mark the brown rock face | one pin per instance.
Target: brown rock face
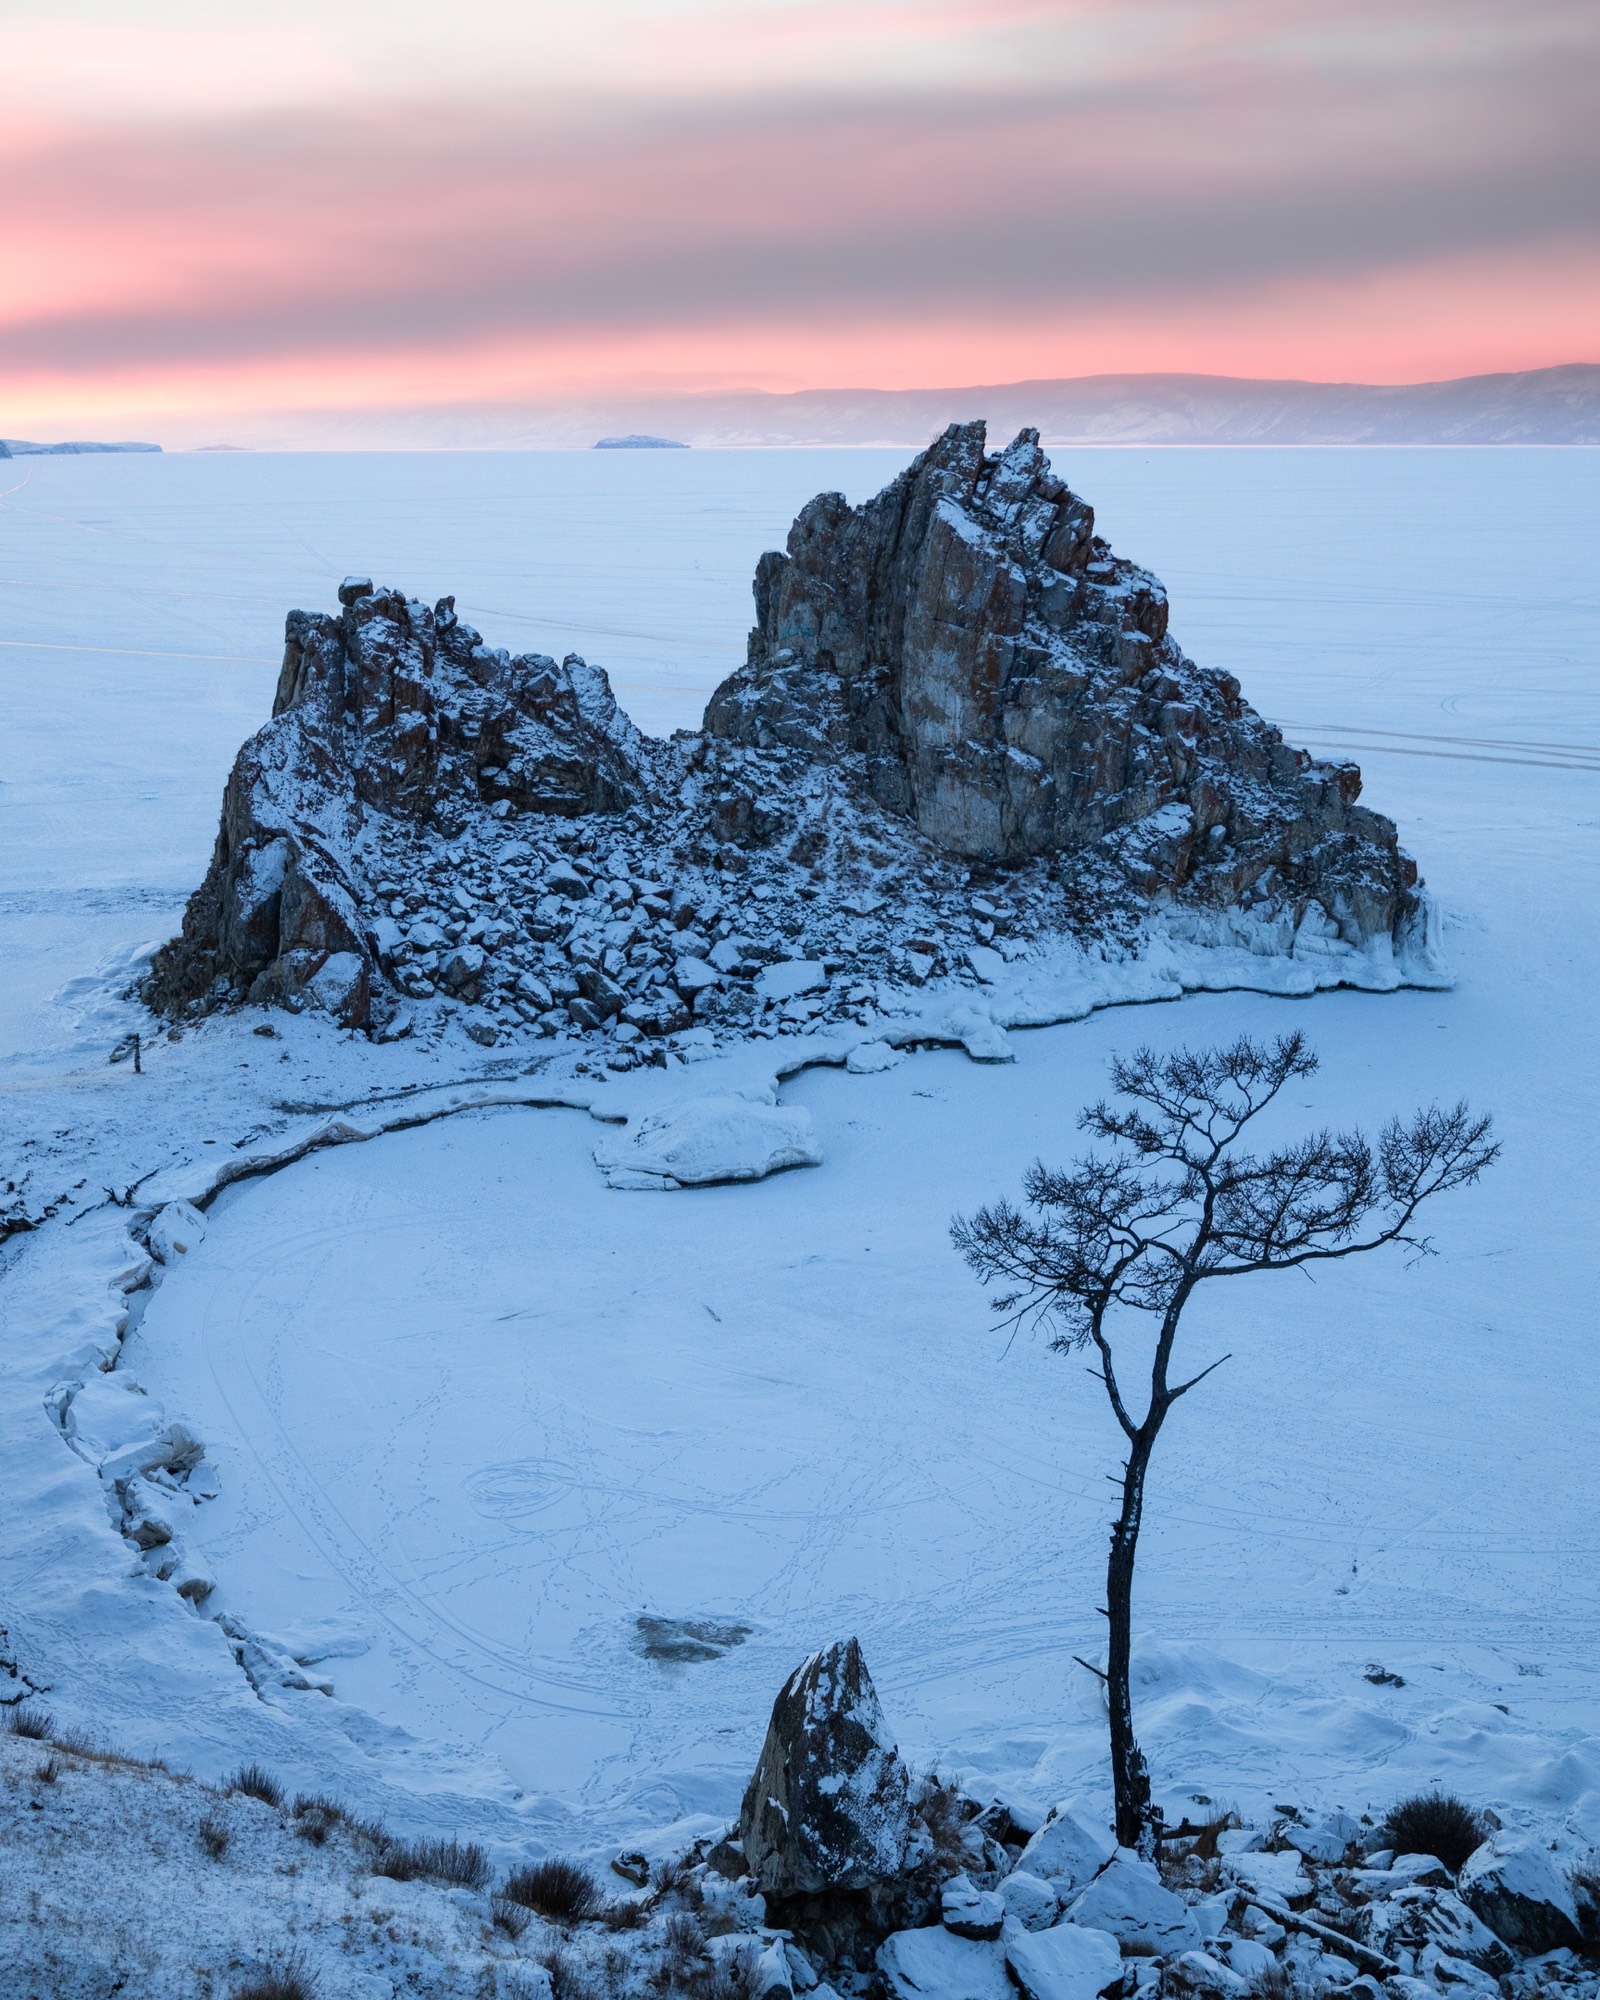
(829, 1804)
(1009, 685)
(390, 709)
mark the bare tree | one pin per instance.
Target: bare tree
(1170, 1203)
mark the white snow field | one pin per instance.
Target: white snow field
(475, 1414)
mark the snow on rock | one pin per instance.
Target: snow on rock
(1280, 1876)
(933, 1964)
(872, 1058)
(1201, 1973)
(705, 1140)
(829, 1804)
(110, 1415)
(1070, 1962)
(1029, 1900)
(1329, 1838)
(962, 745)
(1414, 1919)
(176, 1231)
(789, 978)
(1069, 1850)
(1129, 1899)
(1513, 1883)
(969, 1911)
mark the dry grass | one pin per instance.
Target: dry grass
(213, 1837)
(460, 1865)
(556, 1888)
(316, 1816)
(291, 1981)
(27, 1719)
(256, 1783)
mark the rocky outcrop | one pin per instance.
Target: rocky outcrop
(391, 711)
(1010, 685)
(962, 735)
(829, 1805)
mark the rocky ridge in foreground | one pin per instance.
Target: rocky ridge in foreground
(962, 737)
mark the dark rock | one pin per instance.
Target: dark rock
(388, 709)
(1514, 1885)
(829, 1806)
(1009, 685)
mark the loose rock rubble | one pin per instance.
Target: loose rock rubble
(962, 736)
(994, 1898)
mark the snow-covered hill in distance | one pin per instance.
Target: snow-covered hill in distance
(1543, 406)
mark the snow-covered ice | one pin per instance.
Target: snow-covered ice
(471, 1413)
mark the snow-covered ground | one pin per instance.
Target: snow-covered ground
(474, 1414)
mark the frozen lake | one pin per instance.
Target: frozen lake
(475, 1414)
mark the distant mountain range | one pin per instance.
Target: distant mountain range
(26, 448)
(1539, 406)
(1545, 406)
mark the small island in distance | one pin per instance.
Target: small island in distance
(27, 448)
(638, 441)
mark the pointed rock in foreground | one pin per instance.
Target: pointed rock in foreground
(829, 1806)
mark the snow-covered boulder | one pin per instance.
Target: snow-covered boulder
(829, 1805)
(710, 1139)
(1069, 1850)
(1279, 1876)
(789, 978)
(1327, 1839)
(969, 1911)
(1029, 1900)
(1204, 1975)
(1513, 1883)
(1066, 1963)
(1130, 1900)
(176, 1231)
(933, 1964)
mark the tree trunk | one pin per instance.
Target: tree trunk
(1135, 1817)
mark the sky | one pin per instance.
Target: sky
(357, 204)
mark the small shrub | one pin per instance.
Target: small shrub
(683, 1946)
(1434, 1823)
(555, 1888)
(461, 1866)
(256, 1783)
(626, 1915)
(732, 1976)
(568, 1980)
(316, 1816)
(942, 1809)
(31, 1721)
(510, 1917)
(673, 1879)
(213, 1837)
(49, 1770)
(290, 1982)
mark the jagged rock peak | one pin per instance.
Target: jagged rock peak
(1006, 682)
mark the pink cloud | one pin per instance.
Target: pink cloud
(1264, 200)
